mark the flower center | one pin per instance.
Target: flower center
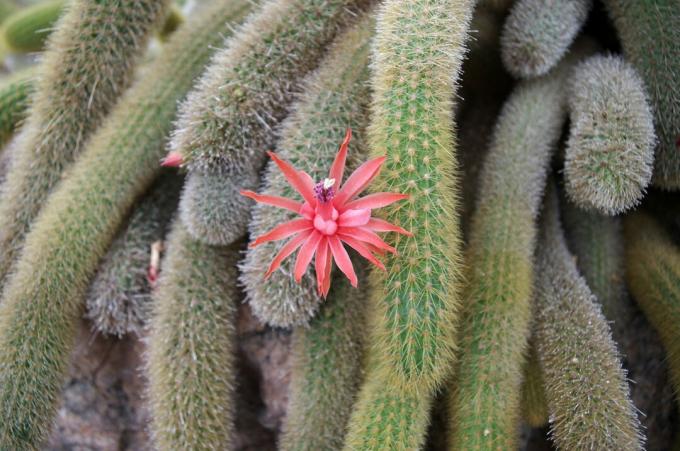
(323, 191)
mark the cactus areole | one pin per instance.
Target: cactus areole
(330, 217)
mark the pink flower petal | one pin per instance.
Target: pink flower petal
(342, 259)
(284, 230)
(367, 236)
(327, 274)
(276, 201)
(377, 200)
(320, 262)
(379, 225)
(172, 160)
(354, 218)
(286, 250)
(307, 211)
(306, 254)
(294, 178)
(308, 181)
(338, 167)
(358, 180)
(362, 250)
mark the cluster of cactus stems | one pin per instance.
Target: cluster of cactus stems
(88, 63)
(45, 294)
(335, 97)
(497, 308)
(519, 321)
(119, 299)
(586, 387)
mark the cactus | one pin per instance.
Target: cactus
(119, 298)
(388, 418)
(485, 403)
(609, 155)
(533, 404)
(14, 94)
(537, 34)
(326, 373)
(88, 63)
(7, 8)
(650, 38)
(653, 275)
(28, 28)
(212, 209)
(192, 346)
(586, 387)
(335, 97)
(38, 314)
(173, 20)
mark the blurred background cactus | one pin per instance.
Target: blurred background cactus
(133, 316)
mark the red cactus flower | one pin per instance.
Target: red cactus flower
(330, 218)
(172, 160)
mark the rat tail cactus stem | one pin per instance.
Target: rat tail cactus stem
(610, 152)
(586, 387)
(653, 274)
(28, 29)
(537, 34)
(417, 57)
(192, 346)
(15, 92)
(43, 298)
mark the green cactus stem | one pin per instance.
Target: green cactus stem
(653, 275)
(192, 346)
(417, 58)
(334, 97)
(650, 38)
(586, 387)
(88, 63)
(119, 298)
(27, 29)
(610, 152)
(388, 418)
(43, 300)
(15, 92)
(538, 33)
(484, 406)
(326, 372)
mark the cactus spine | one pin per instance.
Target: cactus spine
(533, 403)
(653, 275)
(326, 373)
(28, 28)
(497, 312)
(414, 305)
(14, 94)
(610, 152)
(119, 299)
(38, 314)
(650, 38)
(537, 34)
(335, 97)
(586, 388)
(192, 346)
(89, 61)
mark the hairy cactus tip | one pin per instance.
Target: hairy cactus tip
(330, 217)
